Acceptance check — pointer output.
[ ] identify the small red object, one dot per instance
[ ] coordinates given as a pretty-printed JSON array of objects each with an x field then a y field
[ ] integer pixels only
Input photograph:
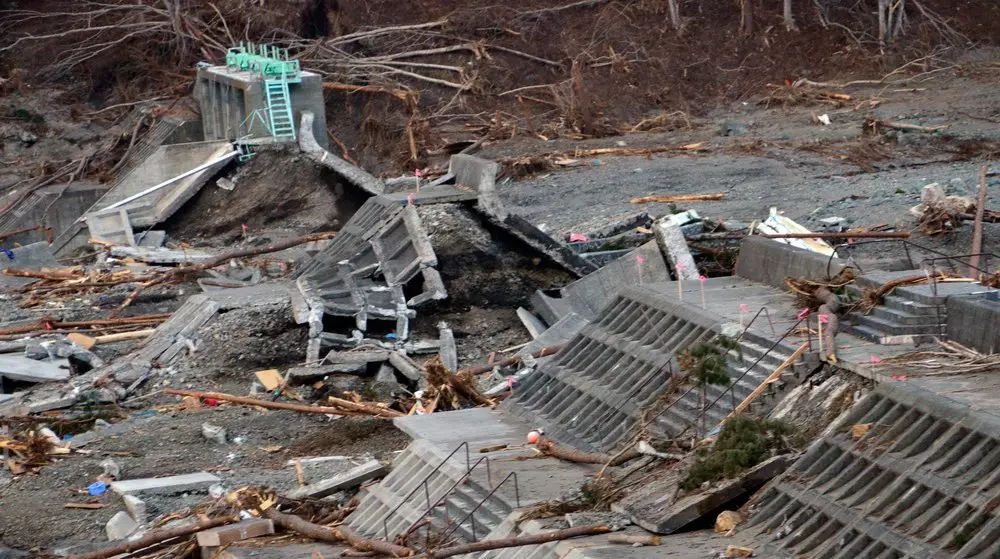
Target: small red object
[
  {"x": 49, "y": 326},
  {"x": 639, "y": 259},
  {"x": 244, "y": 227},
  {"x": 824, "y": 318},
  {"x": 533, "y": 437},
  {"x": 211, "y": 402},
  {"x": 802, "y": 314},
  {"x": 409, "y": 199},
  {"x": 703, "y": 278}
]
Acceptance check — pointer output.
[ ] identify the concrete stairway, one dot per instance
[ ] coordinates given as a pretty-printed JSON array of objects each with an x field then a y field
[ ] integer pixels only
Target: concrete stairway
[
  {"x": 592, "y": 392},
  {"x": 910, "y": 315},
  {"x": 904, "y": 317},
  {"x": 923, "y": 481},
  {"x": 394, "y": 506},
  {"x": 757, "y": 362}
]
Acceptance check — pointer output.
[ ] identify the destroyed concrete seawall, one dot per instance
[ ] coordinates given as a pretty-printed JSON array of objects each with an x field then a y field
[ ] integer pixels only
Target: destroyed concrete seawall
[
  {"x": 906, "y": 473},
  {"x": 592, "y": 393}
]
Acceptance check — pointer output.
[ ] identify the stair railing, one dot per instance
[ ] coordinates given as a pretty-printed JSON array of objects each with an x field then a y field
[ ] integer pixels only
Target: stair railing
[
  {"x": 732, "y": 385},
  {"x": 444, "y": 496},
  {"x": 752, "y": 320},
  {"x": 425, "y": 486},
  {"x": 471, "y": 514}
]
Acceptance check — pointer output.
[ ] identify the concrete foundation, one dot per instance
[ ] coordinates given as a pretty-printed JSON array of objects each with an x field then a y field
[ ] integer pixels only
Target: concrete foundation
[
  {"x": 770, "y": 262},
  {"x": 229, "y": 98}
]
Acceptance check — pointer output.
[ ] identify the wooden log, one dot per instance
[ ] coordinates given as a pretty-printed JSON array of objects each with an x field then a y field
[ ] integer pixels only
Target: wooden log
[
  {"x": 633, "y": 540},
  {"x": 671, "y": 198},
  {"x": 767, "y": 382},
  {"x": 341, "y": 534},
  {"x": 562, "y": 452},
  {"x": 518, "y": 541},
  {"x": 544, "y": 352},
  {"x": 977, "y": 226},
  {"x": 123, "y": 336},
  {"x": 154, "y": 538},
  {"x": 356, "y": 409}
]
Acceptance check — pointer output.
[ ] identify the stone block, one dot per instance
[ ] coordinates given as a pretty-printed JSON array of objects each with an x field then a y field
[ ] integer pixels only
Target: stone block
[
  {"x": 120, "y": 526},
  {"x": 225, "y": 535}
]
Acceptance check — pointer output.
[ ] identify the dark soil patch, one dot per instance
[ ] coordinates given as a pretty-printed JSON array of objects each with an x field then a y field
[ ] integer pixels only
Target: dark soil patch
[{"x": 351, "y": 436}]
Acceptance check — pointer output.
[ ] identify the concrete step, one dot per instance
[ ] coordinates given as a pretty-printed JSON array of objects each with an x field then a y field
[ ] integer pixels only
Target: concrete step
[
  {"x": 904, "y": 318},
  {"x": 890, "y": 328},
  {"x": 909, "y": 306},
  {"x": 878, "y": 337}
]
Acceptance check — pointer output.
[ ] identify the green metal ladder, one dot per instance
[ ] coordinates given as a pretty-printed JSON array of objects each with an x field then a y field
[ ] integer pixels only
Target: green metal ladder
[{"x": 279, "y": 108}]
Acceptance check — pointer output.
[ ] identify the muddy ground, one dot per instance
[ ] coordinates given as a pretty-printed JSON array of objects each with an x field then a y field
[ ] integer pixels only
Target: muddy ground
[{"x": 781, "y": 158}]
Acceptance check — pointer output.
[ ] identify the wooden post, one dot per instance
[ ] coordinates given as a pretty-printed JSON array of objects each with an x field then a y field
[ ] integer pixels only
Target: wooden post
[
  {"x": 768, "y": 381},
  {"x": 977, "y": 228}
]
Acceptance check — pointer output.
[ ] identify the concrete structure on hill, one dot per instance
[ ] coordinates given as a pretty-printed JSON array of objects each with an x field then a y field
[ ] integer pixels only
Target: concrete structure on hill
[{"x": 258, "y": 95}]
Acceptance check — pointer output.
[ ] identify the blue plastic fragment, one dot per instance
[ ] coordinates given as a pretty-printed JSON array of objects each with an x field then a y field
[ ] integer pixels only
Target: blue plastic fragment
[
  {"x": 97, "y": 488},
  {"x": 8, "y": 252},
  {"x": 391, "y": 336}
]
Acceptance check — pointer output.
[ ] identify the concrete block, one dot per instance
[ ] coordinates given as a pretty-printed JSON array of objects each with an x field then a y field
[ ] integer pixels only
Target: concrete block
[
  {"x": 166, "y": 485},
  {"x": 225, "y": 535},
  {"x": 588, "y": 295},
  {"x": 448, "y": 351},
  {"x": 35, "y": 255},
  {"x": 352, "y": 478},
  {"x": 136, "y": 508},
  {"x": 120, "y": 526},
  {"x": 533, "y": 324}
]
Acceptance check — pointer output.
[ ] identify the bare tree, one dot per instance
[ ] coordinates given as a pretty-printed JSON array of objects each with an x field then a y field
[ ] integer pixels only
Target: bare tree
[
  {"x": 789, "y": 17},
  {"x": 675, "y": 13},
  {"x": 891, "y": 20},
  {"x": 746, "y": 17}
]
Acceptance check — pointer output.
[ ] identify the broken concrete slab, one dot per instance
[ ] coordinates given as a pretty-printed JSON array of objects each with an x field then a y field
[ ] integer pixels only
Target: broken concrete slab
[
  {"x": 136, "y": 508},
  {"x": 588, "y": 296},
  {"x": 120, "y": 526},
  {"x": 480, "y": 175},
  {"x": 351, "y": 478},
  {"x": 355, "y": 175},
  {"x": 225, "y": 535},
  {"x": 533, "y": 324},
  {"x": 166, "y": 485},
  {"x": 35, "y": 255},
  {"x": 161, "y": 255},
  {"x": 671, "y": 241},
  {"x": 406, "y": 366},
  {"x": 356, "y": 357},
  {"x": 16, "y": 367},
  {"x": 651, "y": 511}
]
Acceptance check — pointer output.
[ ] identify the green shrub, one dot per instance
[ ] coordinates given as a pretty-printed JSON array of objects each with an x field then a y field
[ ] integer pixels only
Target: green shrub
[{"x": 743, "y": 443}]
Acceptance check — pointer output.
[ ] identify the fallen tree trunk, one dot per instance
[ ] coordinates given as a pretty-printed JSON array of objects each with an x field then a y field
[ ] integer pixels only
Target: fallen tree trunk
[
  {"x": 876, "y": 124},
  {"x": 479, "y": 369},
  {"x": 341, "y": 534},
  {"x": 155, "y": 537},
  {"x": 519, "y": 541},
  {"x": 549, "y": 447},
  {"x": 356, "y": 408},
  {"x": 181, "y": 271}
]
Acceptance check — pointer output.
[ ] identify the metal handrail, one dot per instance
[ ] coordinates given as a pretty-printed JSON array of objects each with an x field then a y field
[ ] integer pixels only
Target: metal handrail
[
  {"x": 517, "y": 498},
  {"x": 437, "y": 503},
  {"x": 732, "y": 385},
  {"x": 423, "y": 483},
  {"x": 749, "y": 324}
]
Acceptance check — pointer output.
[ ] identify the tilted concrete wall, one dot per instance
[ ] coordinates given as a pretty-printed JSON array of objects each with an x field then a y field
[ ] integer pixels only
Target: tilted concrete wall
[
  {"x": 592, "y": 393},
  {"x": 921, "y": 479},
  {"x": 974, "y": 323},
  {"x": 770, "y": 262}
]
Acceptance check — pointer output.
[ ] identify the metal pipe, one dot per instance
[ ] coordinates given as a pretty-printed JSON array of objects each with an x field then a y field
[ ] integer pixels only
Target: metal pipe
[
  {"x": 867, "y": 235},
  {"x": 168, "y": 182}
]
